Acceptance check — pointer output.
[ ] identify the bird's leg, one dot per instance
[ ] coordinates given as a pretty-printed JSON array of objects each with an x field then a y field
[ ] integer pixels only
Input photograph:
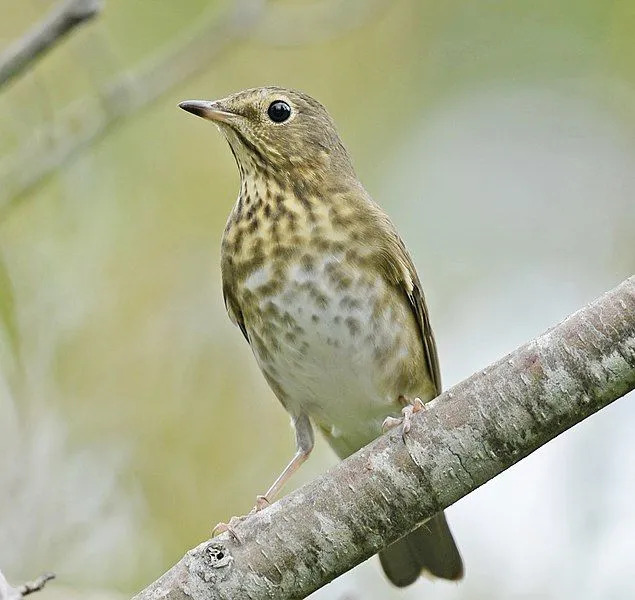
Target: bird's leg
[
  {"x": 304, "y": 442},
  {"x": 407, "y": 411}
]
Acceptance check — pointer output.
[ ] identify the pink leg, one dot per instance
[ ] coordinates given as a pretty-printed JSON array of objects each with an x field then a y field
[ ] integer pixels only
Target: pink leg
[{"x": 304, "y": 444}]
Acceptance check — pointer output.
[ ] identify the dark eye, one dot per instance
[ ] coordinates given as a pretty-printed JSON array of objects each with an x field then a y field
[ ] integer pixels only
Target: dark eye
[{"x": 279, "y": 111}]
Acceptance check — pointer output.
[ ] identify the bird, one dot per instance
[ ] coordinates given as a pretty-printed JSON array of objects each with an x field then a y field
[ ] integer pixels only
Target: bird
[{"x": 320, "y": 284}]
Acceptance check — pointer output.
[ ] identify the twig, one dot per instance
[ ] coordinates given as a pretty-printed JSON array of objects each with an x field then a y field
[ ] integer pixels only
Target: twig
[
  {"x": 55, "y": 26},
  {"x": 10, "y": 593},
  {"x": 86, "y": 120},
  {"x": 37, "y": 585},
  {"x": 471, "y": 433}
]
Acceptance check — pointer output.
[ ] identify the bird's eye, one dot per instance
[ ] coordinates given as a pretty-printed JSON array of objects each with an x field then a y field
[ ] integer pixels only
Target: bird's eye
[{"x": 279, "y": 111}]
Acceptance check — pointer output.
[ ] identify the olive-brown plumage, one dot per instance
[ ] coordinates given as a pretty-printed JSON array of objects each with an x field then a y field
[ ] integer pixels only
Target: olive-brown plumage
[{"x": 325, "y": 292}]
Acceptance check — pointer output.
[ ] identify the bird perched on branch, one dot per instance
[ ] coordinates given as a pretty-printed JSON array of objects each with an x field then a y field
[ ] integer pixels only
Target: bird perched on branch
[{"x": 325, "y": 293}]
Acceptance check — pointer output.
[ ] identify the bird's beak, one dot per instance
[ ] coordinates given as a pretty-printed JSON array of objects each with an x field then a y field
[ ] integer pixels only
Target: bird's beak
[{"x": 212, "y": 111}]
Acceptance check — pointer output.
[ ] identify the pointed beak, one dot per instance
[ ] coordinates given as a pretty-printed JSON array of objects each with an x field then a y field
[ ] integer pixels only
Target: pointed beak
[{"x": 212, "y": 111}]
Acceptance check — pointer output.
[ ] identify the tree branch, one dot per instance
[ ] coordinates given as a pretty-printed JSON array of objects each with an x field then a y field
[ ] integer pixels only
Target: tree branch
[
  {"x": 10, "y": 593},
  {"x": 61, "y": 21},
  {"x": 471, "y": 433},
  {"x": 88, "y": 119}
]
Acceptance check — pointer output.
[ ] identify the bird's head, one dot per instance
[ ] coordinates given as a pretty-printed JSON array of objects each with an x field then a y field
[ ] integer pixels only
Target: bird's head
[{"x": 283, "y": 132}]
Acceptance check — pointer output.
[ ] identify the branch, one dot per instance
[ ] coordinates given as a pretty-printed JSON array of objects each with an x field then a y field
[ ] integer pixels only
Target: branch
[
  {"x": 88, "y": 119},
  {"x": 61, "y": 21},
  {"x": 471, "y": 433},
  {"x": 10, "y": 593}
]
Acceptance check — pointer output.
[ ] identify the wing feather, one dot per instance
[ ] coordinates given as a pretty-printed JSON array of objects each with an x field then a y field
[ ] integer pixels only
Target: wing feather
[{"x": 399, "y": 268}]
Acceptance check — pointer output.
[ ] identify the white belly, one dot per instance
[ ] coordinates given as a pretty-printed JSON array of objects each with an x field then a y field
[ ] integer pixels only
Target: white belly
[{"x": 324, "y": 352}]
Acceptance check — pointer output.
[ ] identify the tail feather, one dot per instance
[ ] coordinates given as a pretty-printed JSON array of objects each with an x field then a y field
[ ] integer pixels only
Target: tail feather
[{"x": 429, "y": 548}]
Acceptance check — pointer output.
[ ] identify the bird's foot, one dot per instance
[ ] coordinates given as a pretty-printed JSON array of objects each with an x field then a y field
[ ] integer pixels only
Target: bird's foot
[
  {"x": 229, "y": 527},
  {"x": 406, "y": 417},
  {"x": 261, "y": 502}
]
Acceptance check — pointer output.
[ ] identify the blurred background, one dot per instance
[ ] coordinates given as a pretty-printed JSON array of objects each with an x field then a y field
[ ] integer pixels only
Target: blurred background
[{"x": 500, "y": 137}]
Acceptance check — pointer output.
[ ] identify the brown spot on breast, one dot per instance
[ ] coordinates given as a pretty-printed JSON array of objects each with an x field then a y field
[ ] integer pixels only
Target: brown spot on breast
[
  {"x": 293, "y": 220},
  {"x": 271, "y": 310},
  {"x": 288, "y": 320},
  {"x": 282, "y": 252},
  {"x": 273, "y": 286},
  {"x": 338, "y": 247},
  {"x": 256, "y": 245},
  {"x": 320, "y": 243},
  {"x": 353, "y": 326},
  {"x": 238, "y": 240},
  {"x": 332, "y": 342},
  {"x": 244, "y": 268},
  {"x": 338, "y": 276},
  {"x": 321, "y": 301},
  {"x": 350, "y": 303},
  {"x": 352, "y": 256},
  {"x": 307, "y": 263}
]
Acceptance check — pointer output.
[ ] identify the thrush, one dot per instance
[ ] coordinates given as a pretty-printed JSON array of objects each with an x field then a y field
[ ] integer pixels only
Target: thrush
[{"x": 324, "y": 291}]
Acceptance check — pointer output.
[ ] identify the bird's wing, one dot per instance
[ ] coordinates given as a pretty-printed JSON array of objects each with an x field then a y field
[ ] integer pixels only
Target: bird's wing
[{"x": 397, "y": 266}]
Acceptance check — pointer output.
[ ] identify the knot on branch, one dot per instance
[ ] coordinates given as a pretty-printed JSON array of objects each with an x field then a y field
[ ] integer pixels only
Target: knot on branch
[{"x": 214, "y": 556}]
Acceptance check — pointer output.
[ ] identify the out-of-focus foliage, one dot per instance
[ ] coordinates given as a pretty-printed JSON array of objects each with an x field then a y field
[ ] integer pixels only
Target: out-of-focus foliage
[{"x": 498, "y": 135}]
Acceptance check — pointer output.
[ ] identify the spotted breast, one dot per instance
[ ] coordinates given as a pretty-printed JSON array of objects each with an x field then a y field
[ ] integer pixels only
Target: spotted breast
[{"x": 333, "y": 336}]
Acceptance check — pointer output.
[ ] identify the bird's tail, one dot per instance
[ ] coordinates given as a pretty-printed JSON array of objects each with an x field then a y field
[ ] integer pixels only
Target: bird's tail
[{"x": 429, "y": 548}]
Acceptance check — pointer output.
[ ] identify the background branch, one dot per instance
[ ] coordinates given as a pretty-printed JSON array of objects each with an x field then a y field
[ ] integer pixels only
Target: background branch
[
  {"x": 55, "y": 26},
  {"x": 88, "y": 119},
  {"x": 471, "y": 433},
  {"x": 85, "y": 121},
  {"x": 10, "y": 593}
]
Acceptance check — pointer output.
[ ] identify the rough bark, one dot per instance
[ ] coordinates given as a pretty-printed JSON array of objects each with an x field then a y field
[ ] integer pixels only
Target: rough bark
[
  {"x": 470, "y": 434},
  {"x": 61, "y": 21}
]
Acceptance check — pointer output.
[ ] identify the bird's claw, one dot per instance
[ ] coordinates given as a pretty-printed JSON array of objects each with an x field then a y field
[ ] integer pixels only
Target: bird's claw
[
  {"x": 406, "y": 417},
  {"x": 390, "y": 423},
  {"x": 261, "y": 502},
  {"x": 228, "y": 527}
]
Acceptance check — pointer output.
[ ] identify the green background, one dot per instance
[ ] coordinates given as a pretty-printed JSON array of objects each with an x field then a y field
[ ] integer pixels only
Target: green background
[{"x": 499, "y": 137}]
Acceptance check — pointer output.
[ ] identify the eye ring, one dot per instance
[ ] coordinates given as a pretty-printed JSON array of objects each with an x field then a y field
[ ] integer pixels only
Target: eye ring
[{"x": 279, "y": 111}]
